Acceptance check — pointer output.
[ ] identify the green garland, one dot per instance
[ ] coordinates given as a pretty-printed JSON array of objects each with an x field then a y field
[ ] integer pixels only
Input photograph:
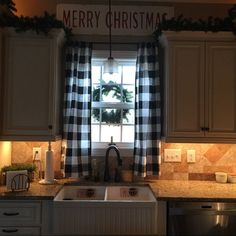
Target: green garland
[
  {"x": 10, "y": 6},
  {"x": 37, "y": 23},
  {"x": 46, "y": 22},
  {"x": 211, "y": 24},
  {"x": 113, "y": 116}
]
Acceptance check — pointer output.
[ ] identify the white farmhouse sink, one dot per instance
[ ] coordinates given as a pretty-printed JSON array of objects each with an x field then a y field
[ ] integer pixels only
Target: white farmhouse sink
[
  {"x": 105, "y": 193},
  {"x": 105, "y": 210}
]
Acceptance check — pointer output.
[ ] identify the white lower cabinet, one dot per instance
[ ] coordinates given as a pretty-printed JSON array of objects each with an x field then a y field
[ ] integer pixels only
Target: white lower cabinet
[
  {"x": 20, "y": 217},
  {"x": 161, "y": 218},
  {"x": 95, "y": 218}
]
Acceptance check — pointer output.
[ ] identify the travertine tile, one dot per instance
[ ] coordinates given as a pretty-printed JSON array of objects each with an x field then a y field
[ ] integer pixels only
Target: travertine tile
[
  {"x": 215, "y": 153},
  {"x": 181, "y": 167},
  {"x": 201, "y": 176},
  {"x": 209, "y": 159},
  {"x": 23, "y": 152},
  {"x": 180, "y": 176},
  {"x": 213, "y": 169}
]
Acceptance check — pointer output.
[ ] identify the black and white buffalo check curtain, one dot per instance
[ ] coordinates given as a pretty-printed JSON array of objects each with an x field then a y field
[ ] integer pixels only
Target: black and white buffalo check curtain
[
  {"x": 77, "y": 109},
  {"x": 147, "y": 111}
]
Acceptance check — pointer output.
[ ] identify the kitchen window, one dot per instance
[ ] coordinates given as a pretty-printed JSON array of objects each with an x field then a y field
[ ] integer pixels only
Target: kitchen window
[{"x": 113, "y": 99}]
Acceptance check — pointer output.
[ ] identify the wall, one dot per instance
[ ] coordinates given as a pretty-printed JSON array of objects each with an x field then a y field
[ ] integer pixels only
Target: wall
[
  {"x": 5, "y": 153},
  {"x": 194, "y": 10},
  {"x": 22, "y": 152},
  {"x": 209, "y": 157}
]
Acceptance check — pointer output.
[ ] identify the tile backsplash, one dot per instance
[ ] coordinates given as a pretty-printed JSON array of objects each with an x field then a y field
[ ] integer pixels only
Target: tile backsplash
[
  {"x": 209, "y": 159},
  {"x": 23, "y": 152}
]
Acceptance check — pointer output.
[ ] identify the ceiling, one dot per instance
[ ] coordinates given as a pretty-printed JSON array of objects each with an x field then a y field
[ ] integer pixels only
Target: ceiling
[{"x": 186, "y": 1}]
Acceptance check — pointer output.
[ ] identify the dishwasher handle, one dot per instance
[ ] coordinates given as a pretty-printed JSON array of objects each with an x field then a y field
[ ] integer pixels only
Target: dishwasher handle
[
  {"x": 203, "y": 211},
  {"x": 206, "y": 207}
]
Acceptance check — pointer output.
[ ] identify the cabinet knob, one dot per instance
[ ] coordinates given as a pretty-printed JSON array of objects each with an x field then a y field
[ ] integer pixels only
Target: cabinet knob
[
  {"x": 50, "y": 126},
  {"x": 205, "y": 129}
]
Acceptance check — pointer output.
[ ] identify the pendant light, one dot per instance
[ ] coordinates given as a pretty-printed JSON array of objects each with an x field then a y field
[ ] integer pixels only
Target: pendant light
[{"x": 110, "y": 65}]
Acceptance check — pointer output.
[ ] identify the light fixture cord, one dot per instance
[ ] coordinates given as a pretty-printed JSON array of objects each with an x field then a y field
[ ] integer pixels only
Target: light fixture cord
[{"x": 110, "y": 26}]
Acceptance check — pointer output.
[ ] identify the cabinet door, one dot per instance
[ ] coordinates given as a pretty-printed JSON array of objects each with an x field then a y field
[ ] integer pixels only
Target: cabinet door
[
  {"x": 221, "y": 89},
  {"x": 27, "y": 87},
  {"x": 1, "y": 75},
  {"x": 185, "y": 89},
  {"x": 31, "y": 101}
]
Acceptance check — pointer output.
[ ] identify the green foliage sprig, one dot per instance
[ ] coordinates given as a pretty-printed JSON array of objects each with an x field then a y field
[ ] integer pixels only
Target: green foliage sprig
[
  {"x": 113, "y": 116},
  {"x": 40, "y": 24},
  {"x": 9, "y": 4},
  {"x": 212, "y": 24},
  {"x": 37, "y": 23},
  {"x": 19, "y": 166}
]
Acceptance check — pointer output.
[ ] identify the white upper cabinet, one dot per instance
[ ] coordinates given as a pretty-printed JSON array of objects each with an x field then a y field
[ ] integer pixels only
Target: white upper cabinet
[
  {"x": 32, "y": 85},
  {"x": 1, "y": 74},
  {"x": 200, "y": 87}
]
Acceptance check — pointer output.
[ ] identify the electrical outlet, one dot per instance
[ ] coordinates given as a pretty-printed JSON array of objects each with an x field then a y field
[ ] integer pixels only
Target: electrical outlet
[
  {"x": 172, "y": 155},
  {"x": 191, "y": 156},
  {"x": 37, "y": 153}
]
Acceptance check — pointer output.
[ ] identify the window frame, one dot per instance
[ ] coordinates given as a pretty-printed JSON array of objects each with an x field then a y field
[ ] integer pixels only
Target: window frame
[{"x": 127, "y": 57}]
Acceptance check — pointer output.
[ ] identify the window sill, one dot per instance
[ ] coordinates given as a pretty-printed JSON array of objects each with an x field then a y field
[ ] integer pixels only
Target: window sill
[{"x": 99, "y": 148}]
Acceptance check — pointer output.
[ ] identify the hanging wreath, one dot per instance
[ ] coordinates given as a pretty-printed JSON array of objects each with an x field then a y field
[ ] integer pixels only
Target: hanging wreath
[{"x": 111, "y": 116}]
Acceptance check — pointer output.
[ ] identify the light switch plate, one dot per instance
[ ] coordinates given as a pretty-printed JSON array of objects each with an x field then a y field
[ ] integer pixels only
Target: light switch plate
[
  {"x": 191, "y": 158},
  {"x": 172, "y": 155}
]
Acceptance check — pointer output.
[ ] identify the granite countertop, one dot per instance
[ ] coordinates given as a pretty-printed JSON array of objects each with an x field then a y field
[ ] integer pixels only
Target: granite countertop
[
  {"x": 36, "y": 192},
  {"x": 171, "y": 190},
  {"x": 166, "y": 190}
]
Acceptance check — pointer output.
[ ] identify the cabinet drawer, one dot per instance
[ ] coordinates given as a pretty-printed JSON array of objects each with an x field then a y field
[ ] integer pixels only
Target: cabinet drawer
[
  {"x": 19, "y": 213},
  {"x": 19, "y": 231}
]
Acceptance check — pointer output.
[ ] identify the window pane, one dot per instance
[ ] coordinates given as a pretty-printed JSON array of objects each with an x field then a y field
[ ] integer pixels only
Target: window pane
[
  {"x": 128, "y": 74},
  {"x": 95, "y": 116},
  {"x": 111, "y": 93},
  {"x": 108, "y": 131},
  {"x": 111, "y": 116},
  {"x": 128, "y": 93},
  {"x": 96, "y": 73},
  {"x": 95, "y": 133},
  {"x": 128, "y": 116},
  {"x": 128, "y": 134}
]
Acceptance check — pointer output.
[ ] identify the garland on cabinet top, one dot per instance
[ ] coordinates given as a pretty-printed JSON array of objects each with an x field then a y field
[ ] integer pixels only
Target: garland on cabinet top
[
  {"x": 211, "y": 24},
  {"x": 38, "y": 24}
]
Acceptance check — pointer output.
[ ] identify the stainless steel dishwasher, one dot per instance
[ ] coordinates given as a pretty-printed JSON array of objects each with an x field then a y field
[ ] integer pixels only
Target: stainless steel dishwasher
[{"x": 201, "y": 218}]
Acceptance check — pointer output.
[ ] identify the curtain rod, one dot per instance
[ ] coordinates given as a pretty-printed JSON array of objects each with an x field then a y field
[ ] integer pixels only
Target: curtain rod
[{"x": 132, "y": 43}]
